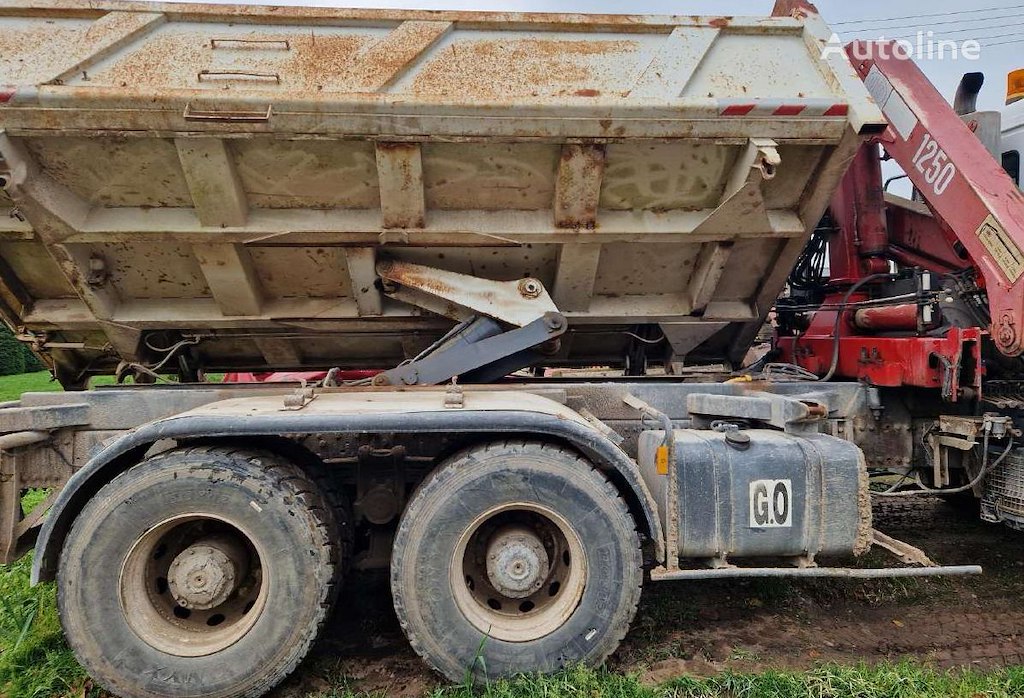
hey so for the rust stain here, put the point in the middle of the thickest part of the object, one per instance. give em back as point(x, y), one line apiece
point(587, 93)
point(519, 67)
point(95, 9)
point(402, 274)
point(401, 162)
point(380, 63)
point(318, 61)
point(113, 24)
point(579, 186)
point(159, 62)
point(312, 63)
point(720, 22)
point(36, 52)
point(397, 146)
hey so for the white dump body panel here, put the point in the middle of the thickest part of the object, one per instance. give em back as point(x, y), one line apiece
point(233, 174)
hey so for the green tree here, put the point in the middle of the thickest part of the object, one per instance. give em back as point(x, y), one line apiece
point(16, 357)
point(32, 362)
point(12, 354)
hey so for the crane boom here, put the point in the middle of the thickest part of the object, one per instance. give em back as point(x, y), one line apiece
point(959, 179)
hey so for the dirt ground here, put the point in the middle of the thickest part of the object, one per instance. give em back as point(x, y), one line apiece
point(705, 627)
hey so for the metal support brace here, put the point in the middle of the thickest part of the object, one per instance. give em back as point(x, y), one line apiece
point(658, 575)
point(11, 526)
point(457, 295)
point(481, 343)
point(779, 411)
point(904, 551)
point(668, 449)
point(466, 357)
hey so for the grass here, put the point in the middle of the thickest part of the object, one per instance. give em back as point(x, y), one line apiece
point(11, 387)
point(35, 661)
point(830, 681)
point(904, 680)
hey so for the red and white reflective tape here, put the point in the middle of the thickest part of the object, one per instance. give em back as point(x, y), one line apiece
point(773, 107)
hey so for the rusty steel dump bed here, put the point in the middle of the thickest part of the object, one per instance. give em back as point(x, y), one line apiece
point(230, 176)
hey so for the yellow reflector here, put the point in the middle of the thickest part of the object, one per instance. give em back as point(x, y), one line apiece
point(661, 460)
point(1015, 86)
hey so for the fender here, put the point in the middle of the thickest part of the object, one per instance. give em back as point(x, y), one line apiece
point(206, 423)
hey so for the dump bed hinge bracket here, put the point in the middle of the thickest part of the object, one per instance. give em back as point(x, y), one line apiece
point(459, 296)
point(482, 348)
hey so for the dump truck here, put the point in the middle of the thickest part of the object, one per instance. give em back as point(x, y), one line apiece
point(505, 269)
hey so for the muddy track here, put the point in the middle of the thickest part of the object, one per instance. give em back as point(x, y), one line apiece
point(705, 627)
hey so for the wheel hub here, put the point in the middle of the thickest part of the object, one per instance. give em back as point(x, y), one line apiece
point(206, 573)
point(518, 572)
point(517, 563)
point(193, 585)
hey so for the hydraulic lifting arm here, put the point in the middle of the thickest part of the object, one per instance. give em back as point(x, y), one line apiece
point(959, 179)
point(503, 324)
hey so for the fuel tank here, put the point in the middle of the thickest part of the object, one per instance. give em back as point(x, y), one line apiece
point(760, 493)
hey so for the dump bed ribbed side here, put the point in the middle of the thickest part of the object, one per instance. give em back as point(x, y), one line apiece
point(230, 176)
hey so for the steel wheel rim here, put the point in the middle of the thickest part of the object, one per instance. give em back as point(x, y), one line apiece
point(174, 590)
point(494, 572)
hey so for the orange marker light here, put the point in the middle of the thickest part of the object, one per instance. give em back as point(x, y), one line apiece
point(661, 460)
point(1015, 86)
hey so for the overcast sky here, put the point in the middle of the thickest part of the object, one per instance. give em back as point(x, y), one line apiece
point(994, 22)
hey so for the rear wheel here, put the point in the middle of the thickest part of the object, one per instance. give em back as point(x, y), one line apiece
point(199, 572)
point(515, 557)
